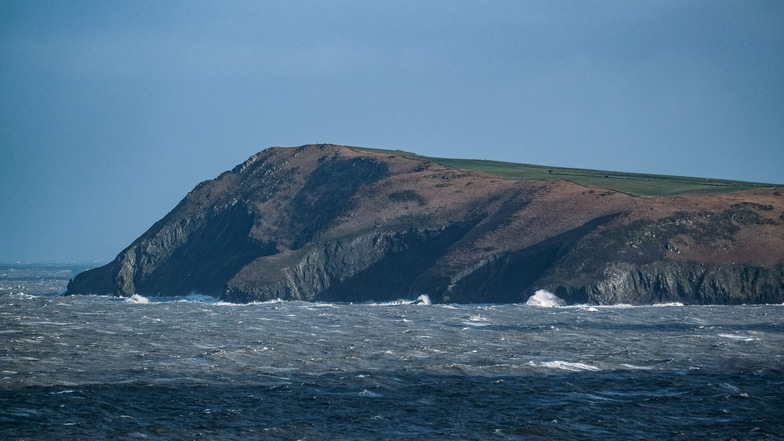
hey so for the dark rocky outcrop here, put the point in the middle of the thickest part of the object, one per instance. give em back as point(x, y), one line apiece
point(331, 223)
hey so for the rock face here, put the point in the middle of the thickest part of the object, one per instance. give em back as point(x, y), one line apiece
point(331, 223)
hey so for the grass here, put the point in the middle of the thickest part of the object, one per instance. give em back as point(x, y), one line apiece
point(637, 184)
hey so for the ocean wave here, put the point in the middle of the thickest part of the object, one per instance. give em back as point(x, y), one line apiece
point(423, 299)
point(544, 298)
point(136, 298)
point(476, 321)
point(201, 298)
point(635, 367)
point(737, 337)
point(566, 366)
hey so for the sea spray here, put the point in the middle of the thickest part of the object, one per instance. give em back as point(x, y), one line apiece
point(546, 299)
point(424, 299)
point(136, 298)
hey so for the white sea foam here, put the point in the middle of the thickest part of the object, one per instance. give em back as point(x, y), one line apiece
point(369, 394)
point(202, 298)
point(627, 306)
point(635, 367)
point(424, 299)
point(48, 323)
point(67, 391)
point(737, 337)
point(546, 299)
point(476, 321)
point(310, 305)
point(567, 366)
point(136, 298)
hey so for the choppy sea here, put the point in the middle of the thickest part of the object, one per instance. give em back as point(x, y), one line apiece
point(97, 367)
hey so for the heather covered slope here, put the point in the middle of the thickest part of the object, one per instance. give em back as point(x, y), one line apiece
point(331, 223)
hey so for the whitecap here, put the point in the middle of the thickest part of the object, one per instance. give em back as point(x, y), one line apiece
point(585, 307)
point(567, 366)
point(201, 298)
point(369, 394)
point(546, 299)
point(476, 320)
point(424, 299)
point(634, 367)
point(736, 337)
point(136, 298)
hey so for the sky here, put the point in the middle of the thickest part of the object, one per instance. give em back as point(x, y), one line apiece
point(112, 111)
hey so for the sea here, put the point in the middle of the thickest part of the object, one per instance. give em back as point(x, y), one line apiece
point(102, 367)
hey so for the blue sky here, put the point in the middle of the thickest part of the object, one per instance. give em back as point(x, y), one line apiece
point(111, 111)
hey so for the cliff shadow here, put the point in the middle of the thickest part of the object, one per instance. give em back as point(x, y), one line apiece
point(391, 278)
point(211, 256)
point(512, 277)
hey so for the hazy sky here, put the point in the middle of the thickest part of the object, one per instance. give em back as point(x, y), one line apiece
point(111, 111)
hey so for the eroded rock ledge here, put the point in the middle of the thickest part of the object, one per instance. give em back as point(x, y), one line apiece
point(330, 223)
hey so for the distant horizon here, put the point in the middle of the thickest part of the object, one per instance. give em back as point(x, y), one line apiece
point(74, 263)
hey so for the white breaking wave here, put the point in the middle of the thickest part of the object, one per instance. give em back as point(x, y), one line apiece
point(635, 367)
point(476, 321)
point(424, 299)
point(737, 337)
point(566, 366)
point(202, 298)
point(545, 299)
point(136, 298)
point(369, 394)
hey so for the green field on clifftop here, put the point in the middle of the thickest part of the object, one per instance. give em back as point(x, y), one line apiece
point(637, 184)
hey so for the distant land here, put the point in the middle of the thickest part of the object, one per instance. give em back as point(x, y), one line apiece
point(335, 223)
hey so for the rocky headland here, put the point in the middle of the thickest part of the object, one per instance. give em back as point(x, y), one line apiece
point(333, 223)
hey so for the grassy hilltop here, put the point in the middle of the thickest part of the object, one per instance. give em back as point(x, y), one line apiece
point(636, 184)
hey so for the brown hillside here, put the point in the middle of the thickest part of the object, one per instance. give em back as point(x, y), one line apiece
point(324, 222)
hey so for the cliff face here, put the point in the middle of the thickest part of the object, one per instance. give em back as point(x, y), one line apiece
point(329, 223)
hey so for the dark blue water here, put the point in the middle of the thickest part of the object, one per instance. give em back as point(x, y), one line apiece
point(107, 368)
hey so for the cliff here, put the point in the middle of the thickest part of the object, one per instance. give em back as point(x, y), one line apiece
point(331, 223)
